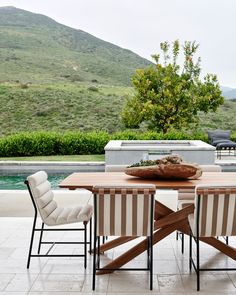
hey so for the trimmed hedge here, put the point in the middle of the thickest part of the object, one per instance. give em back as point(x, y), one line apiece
point(77, 143)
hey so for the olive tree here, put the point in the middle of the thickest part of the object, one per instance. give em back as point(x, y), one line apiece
point(170, 95)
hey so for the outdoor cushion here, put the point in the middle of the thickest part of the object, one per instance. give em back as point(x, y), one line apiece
point(221, 139)
point(50, 212)
point(224, 145)
point(70, 215)
point(216, 141)
point(221, 134)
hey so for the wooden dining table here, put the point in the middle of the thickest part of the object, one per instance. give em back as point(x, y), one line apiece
point(166, 220)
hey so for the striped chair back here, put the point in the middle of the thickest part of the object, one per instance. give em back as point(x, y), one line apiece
point(215, 211)
point(124, 210)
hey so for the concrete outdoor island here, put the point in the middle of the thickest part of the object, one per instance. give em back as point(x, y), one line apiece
point(127, 152)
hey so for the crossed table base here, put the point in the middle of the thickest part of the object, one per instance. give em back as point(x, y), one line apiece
point(166, 220)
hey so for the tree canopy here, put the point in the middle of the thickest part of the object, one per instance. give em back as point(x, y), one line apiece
point(170, 95)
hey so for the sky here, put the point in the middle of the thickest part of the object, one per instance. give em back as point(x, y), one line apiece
point(140, 25)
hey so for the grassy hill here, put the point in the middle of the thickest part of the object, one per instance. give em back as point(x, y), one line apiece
point(34, 48)
point(77, 106)
point(58, 106)
point(223, 118)
point(53, 77)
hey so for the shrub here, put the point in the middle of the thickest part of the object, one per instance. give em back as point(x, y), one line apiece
point(76, 78)
point(93, 88)
point(29, 144)
point(24, 86)
point(75, 143)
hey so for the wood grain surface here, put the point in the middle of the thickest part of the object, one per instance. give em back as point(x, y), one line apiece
point(88, 180)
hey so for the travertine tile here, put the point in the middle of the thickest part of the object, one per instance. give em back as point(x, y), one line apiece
point(5, 280)
point(66, 266)
point(6, 252)
point(59, 282)
point(170, 283)
point(127, 282)
point(208, 283)
point(21, 282)
point(19, 265)
point(64, 293)
point(13, 293)
point(59, 276)
point(101, 283)
point(165, 267)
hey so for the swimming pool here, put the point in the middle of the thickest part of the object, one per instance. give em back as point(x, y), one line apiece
point(16, 182)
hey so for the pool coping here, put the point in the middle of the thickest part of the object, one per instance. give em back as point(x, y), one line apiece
point(50, 166)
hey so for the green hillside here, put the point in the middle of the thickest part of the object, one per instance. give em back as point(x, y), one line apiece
point(70, 106)
point(35, 48)
point(77, 106)
point(53, 77)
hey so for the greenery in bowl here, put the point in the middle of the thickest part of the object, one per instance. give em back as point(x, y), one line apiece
point(173, 159)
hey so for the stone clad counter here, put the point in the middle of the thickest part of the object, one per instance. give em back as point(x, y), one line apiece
point(127, 152)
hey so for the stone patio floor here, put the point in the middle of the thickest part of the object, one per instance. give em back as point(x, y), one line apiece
point(67, 275)
point(58, 276)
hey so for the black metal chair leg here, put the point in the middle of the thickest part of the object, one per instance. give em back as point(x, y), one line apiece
point(190, 252)
point(177, 235)
point(40, 238)
point(148, 252)
point(32, 240)
point(227, 240)
point(90, 236)
point(94, 261)
point(151, 262)
point(198, 266)
point(85, 245)
point(182, 243)
point(98, 254)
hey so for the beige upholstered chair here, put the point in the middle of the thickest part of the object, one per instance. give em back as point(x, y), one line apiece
point(52, 215)
point(214, 215)
point(123, 211)
point(186, 196)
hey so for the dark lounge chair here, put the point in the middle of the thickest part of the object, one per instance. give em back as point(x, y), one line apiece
point(221, 140)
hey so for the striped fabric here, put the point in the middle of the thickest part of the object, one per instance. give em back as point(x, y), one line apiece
point(217, 211)
point(123, 211)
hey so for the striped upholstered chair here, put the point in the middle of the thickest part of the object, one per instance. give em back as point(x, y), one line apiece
point(123, 211)
point(51, 214)
point(186, 197)
point(214, 215)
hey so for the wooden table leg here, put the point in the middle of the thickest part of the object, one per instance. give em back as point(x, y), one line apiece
point(166, 225)
point(219, 245)
point(174, 217)
point(161, 210)
point(166, 217)
point(222, 247)
point(115, 243)
point(167, 222)
point(137, 249)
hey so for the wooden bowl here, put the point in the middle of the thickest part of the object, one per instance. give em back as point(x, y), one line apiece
point(166, 171)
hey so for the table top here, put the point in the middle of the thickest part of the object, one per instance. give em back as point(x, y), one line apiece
point(88, 180)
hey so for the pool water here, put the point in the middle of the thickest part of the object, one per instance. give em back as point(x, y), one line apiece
point(16, 182)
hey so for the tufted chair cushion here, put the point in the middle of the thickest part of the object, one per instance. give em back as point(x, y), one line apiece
point(48, 209)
